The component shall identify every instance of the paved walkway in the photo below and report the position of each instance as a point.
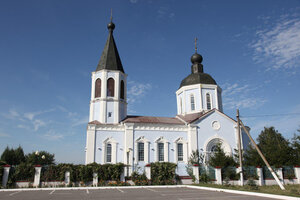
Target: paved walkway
(149, 193)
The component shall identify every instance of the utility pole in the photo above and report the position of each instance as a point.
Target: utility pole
(263, 157)
(240, 147)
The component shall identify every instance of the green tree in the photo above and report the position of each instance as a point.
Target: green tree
(40, 158)
(196, 158)
(219, 158)
(19, 154)
(296, 147)
(275, 148)
(13, 156)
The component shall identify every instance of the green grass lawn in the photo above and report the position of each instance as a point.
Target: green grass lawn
(291, 190)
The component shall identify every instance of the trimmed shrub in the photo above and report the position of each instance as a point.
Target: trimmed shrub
(110, 171)
(50, 173)
(163, 173)
(139, 179)
(23, 172)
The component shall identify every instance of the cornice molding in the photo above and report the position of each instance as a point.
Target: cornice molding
(159, 127)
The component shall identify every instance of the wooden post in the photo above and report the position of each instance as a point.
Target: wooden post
(263, 157)
(240, 147)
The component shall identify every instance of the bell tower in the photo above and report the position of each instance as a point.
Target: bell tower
(108, 103)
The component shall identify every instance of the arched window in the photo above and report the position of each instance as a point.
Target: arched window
(108, 153)
(161, 152)
(180, 152)
(98, 88)
(122, 90)
(208, 101)
(192, 102)
(141, 151)
(110, 87)
(180, 112)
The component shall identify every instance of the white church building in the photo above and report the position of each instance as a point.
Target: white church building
(113, 136)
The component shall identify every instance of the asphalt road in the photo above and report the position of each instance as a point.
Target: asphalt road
(126, 193)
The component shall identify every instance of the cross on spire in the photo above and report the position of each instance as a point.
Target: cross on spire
(196, 44)
(111, 15)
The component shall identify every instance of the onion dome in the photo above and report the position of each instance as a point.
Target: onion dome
(197, 76)
(196, 58)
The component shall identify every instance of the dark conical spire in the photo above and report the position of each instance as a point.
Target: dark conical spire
(110, 58)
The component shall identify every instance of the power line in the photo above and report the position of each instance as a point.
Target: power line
(270, 115)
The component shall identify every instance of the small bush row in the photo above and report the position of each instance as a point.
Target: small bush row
(78, 173)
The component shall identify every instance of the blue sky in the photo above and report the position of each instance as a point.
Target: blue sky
(48, 50)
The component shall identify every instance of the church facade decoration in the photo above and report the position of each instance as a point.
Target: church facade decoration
(113, 136)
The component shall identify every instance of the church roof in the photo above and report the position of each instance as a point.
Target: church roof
(152, 120)
(190, 118)
(110, 58)
(96, 122)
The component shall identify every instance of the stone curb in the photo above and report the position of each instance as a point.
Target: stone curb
(274, 196)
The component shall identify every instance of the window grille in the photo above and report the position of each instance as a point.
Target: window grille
(208, 102)
(108, 153)
(180, 151)
(141, 151)
(192, 102)
(160, 151)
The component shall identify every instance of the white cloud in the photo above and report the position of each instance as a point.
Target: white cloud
(69, 113)
(37, 124)
(136, 91)
(241, 96)
(80, 121)
(278, 45)
(22, 126)
(4, 135)
(52, 135)
(12, 114)
(27, 119)
(31, 115)
(165, 12)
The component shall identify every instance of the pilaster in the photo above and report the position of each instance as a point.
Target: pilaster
(192, 138)
(128, 152)
(90, 144)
